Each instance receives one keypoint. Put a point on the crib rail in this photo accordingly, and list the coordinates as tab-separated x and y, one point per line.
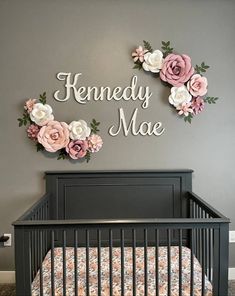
39	211
201	209
207	241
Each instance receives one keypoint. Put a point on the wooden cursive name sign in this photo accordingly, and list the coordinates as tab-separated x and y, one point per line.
132	92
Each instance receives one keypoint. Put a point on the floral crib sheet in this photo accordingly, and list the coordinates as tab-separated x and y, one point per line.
128	273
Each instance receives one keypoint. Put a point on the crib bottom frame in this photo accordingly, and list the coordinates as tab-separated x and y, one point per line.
204	231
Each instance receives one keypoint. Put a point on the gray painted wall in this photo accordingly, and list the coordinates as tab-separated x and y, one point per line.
40	38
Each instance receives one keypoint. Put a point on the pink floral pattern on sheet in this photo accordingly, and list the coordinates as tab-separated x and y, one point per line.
128	272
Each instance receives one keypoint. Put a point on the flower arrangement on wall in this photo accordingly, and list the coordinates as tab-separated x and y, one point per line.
188	85
76	140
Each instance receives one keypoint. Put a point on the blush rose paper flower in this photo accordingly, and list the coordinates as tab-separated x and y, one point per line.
197	85
188	85
54	136
177	69
77	149
76	140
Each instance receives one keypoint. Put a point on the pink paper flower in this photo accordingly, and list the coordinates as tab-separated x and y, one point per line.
138	54
184	109
198	105
77	149
54	136
177	69
29	105
33	131
94	143
197	85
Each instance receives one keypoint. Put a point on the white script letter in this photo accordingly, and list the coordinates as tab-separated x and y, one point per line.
122	123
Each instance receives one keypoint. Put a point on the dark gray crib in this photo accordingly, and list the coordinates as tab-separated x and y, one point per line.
121	209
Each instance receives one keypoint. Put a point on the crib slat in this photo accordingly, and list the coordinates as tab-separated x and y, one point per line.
156	261
203	262
145	262
45	241
192	263
169	260
111	262
38	243
64	262
180	262
134	260
197	244
87	263
52	264
122	263
32	255
41	261
206	249
76	261
99	261
210	255
194	209
199	236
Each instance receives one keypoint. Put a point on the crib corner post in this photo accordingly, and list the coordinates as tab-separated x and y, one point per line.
221	253
22	262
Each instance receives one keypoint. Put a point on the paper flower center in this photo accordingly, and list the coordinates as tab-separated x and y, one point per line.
77	148
40	114
176	70
55	136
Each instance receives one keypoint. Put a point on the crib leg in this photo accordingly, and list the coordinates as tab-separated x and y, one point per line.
220	274
22	255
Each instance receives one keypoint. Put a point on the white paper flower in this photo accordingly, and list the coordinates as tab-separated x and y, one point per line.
41	114
79	130
179	95
153	61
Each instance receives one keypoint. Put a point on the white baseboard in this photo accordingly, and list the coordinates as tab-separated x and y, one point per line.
7	277
231	274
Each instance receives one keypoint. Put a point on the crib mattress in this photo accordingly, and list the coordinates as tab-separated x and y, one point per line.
93	277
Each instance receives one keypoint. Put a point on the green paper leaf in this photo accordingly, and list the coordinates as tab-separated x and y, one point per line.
42	98
137	66
211	100
166	48
20	122
88	156
94	126
147	46
39	147
62	154
202	68
188	118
